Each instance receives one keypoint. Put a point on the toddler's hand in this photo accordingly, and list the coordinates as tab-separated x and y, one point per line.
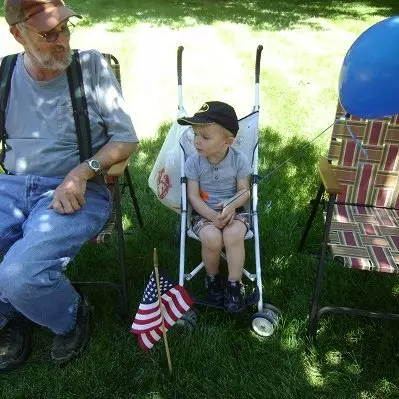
220	205
225	217
228	214
218	221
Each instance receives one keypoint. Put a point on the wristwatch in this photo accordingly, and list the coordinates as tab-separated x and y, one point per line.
95	166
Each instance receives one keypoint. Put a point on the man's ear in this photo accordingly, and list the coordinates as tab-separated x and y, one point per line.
17	34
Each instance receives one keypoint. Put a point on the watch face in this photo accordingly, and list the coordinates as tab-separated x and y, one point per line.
95	164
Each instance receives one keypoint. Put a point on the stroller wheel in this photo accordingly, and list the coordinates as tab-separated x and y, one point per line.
188	321
268	306
193	312
264	324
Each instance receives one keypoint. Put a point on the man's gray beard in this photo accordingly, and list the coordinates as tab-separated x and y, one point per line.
49	61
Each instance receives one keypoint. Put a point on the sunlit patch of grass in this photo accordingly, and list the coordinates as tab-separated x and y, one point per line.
313	373
354	368
153	395
334	357
290	340
354	335
141	158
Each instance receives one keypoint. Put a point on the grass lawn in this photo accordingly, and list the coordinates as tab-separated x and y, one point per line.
304	45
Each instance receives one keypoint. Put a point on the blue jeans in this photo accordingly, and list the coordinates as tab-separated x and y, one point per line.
38	244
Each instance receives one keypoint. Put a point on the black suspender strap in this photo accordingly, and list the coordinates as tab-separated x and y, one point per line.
79	106
6	70
78	98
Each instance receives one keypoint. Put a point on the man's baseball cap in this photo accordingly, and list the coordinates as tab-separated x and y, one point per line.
214	112
44	15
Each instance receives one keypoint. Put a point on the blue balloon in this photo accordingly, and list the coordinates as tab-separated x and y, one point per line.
369	78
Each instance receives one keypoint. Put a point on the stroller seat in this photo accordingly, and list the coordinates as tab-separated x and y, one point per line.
246	141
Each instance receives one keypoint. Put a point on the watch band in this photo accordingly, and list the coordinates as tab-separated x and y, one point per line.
95	166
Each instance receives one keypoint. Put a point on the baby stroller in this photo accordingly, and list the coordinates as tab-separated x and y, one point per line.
265	319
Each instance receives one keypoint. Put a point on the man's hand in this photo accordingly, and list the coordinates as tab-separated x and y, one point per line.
69	195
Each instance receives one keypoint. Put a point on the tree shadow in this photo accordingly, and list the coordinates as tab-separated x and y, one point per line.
259	14
351	357
287	278
361	353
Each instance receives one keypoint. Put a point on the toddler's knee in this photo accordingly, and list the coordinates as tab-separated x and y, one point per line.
232	237
212	242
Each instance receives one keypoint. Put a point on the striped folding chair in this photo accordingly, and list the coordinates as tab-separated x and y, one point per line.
361	216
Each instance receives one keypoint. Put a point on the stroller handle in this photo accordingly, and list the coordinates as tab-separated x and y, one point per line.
179	64
257	63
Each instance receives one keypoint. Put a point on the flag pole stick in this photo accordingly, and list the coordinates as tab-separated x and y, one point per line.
165	339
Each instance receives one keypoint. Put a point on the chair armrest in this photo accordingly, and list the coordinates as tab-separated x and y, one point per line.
118	169
328	177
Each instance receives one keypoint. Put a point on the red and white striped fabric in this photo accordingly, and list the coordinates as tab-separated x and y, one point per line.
364	232
148	321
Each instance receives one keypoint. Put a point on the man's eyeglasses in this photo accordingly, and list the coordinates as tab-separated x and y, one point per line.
52	35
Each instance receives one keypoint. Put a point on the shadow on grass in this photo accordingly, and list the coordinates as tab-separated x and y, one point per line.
259	14
222	359
287	279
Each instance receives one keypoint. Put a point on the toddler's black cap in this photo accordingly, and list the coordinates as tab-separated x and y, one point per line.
214	112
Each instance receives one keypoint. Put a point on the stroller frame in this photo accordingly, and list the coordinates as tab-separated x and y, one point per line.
266	313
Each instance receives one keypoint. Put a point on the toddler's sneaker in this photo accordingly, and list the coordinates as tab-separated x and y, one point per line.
234	299
215	290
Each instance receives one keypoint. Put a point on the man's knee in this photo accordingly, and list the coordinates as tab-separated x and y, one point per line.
19	280
13	280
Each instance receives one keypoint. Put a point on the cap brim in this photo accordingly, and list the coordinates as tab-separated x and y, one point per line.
51	17
194	120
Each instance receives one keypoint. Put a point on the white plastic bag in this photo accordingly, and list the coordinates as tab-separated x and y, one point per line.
164	179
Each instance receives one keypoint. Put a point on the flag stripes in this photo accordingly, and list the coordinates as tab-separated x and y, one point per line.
147	323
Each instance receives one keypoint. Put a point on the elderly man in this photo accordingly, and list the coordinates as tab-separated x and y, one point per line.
50	201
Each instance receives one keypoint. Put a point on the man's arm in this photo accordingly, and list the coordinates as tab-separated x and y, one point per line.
69	195
110	154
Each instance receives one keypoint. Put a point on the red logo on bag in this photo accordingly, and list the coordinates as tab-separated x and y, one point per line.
163	184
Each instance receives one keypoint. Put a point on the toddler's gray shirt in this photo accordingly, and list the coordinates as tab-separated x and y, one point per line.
218	182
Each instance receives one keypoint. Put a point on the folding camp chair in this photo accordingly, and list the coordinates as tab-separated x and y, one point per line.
114	223
362	213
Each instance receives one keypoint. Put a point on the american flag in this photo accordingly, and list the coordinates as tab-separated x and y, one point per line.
148	321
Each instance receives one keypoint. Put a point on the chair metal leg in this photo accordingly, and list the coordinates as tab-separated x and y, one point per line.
312	215
314	316
124	302
133	196
104	284
358	312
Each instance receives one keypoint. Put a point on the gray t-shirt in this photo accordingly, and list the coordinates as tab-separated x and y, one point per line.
41	131
218	182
